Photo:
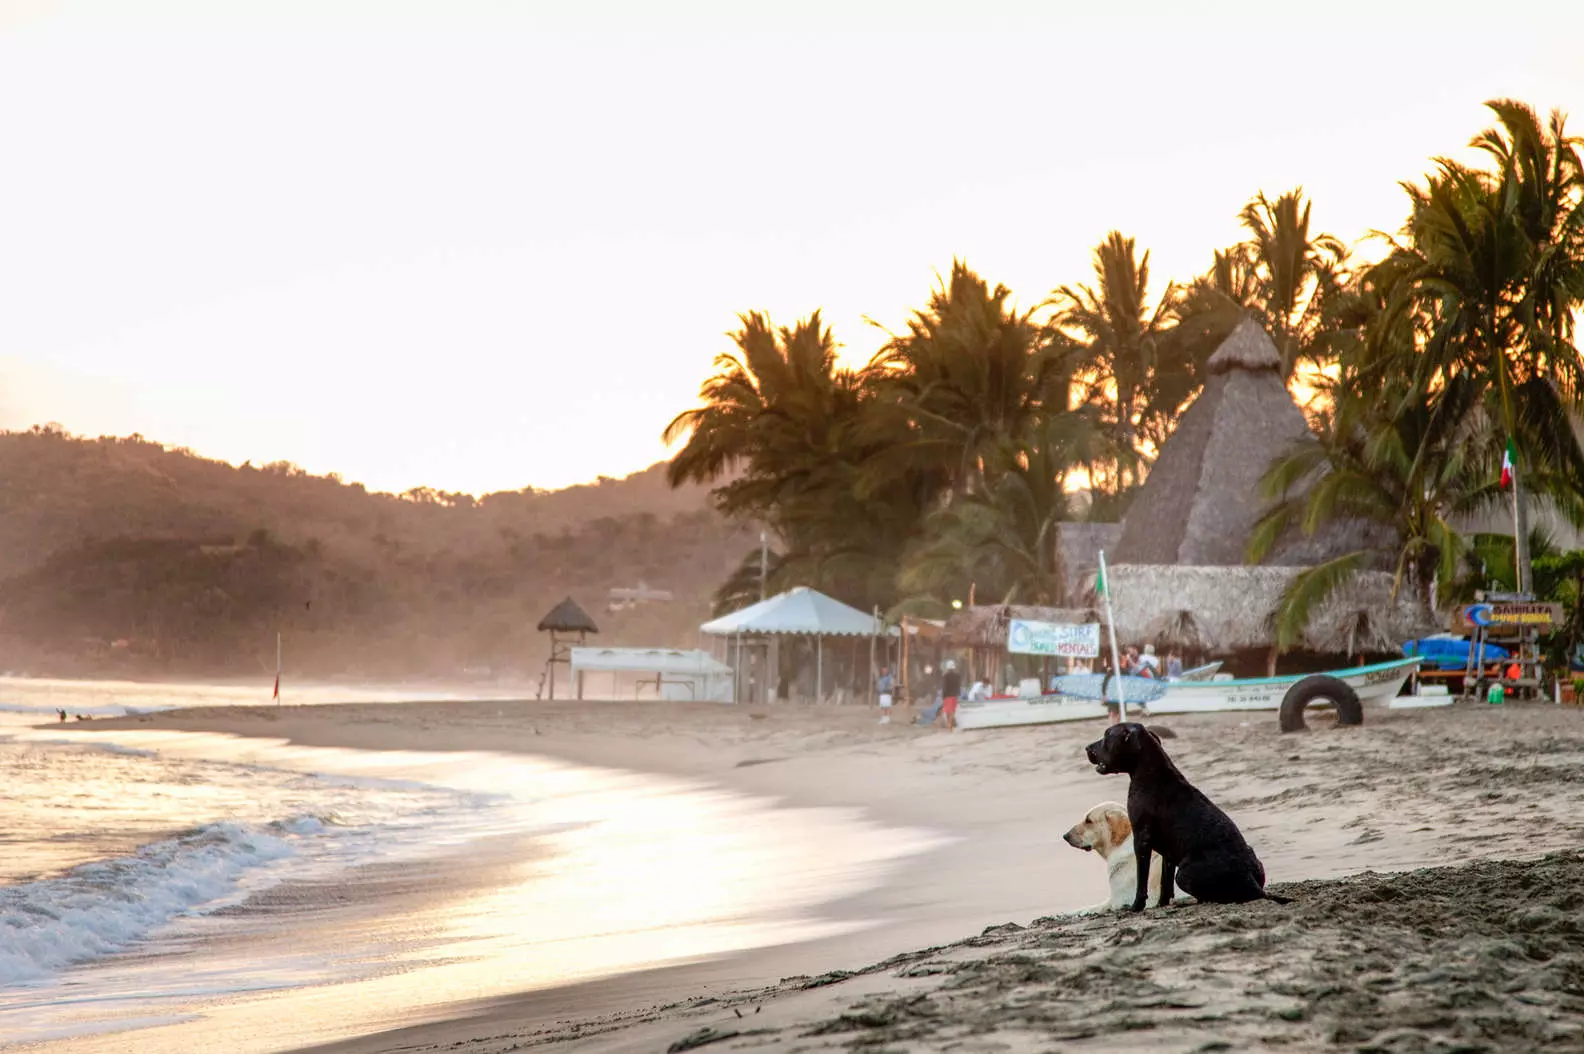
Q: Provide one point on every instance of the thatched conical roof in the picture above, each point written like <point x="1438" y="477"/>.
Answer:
<point x="567" y="617"/>
<point x="1079" y="545"/>
<point x="1202" y="498"/>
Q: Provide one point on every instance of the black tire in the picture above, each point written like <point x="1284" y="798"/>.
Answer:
<point x="1349" y="710"/>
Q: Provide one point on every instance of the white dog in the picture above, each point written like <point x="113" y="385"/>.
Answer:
<point x="1106" y="830"/>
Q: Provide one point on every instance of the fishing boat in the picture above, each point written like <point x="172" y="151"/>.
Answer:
<point x="1373" y="684"/>
<point x="1377" y="683"/>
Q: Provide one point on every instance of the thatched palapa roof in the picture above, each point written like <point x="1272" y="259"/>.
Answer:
<point x="567" y="617"/>
<point x="1079" y="545"/>
<point x="985" y="625"/>
<point x="1202" y="498"/>
<point x="1220" y="610"/>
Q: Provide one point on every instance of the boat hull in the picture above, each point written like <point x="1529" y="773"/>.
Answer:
<point x="1379" y="683"/>
<point x="1373" y="684"/>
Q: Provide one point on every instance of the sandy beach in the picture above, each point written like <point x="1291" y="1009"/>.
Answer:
<point x="1433" y="856"/>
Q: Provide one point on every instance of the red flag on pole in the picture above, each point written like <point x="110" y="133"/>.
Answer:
<point x="277" y="687"/>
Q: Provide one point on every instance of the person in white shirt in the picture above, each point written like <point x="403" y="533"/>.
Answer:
<point x="1150" y="659"/>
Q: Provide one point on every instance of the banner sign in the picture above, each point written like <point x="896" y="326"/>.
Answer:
<point x="1025" y="637"/>
<point x="1538" y="615"/>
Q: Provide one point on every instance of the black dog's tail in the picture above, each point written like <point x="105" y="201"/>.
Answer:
<point x="1278" y="899"/>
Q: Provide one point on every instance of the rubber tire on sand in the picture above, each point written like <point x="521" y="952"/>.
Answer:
<point x="1349" y="710"/>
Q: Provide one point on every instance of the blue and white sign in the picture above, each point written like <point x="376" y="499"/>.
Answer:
<point x="1026" y="637"/>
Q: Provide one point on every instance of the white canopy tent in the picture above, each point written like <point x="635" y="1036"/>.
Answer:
<point x="677" y="674"/>
<point x="799" y="611"/>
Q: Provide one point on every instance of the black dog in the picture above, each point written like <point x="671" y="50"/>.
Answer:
<point x="1201" y="848"/>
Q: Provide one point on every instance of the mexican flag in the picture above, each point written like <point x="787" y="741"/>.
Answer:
<point x="1509" y="456"/>
<point x="1100" y="576"/>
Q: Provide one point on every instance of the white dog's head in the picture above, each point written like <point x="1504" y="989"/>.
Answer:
<point x="1102" y="829"/>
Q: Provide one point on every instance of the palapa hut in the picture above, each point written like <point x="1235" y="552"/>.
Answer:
<point x="981" y="631"/>
<point x="1227" y="610"/>
<point x="1179" y="572"/>
<point x="564" y="622"/>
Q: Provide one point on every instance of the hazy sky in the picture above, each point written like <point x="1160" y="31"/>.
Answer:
<point x="485" y="245"/>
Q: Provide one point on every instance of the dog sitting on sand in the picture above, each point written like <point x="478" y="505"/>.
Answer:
<point x="1202" y="849"/>
<point x="1106" y="831"/>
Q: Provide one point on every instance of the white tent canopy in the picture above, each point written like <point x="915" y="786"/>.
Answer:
<point x="800" y="610"/>
<point x="677" y="674"/>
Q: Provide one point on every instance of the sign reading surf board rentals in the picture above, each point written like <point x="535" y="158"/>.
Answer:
<point x="1025" y="637"/>
<point x="1539" y="615"/>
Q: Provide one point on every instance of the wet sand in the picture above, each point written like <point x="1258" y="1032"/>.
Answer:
<point x="1430" y="958"/>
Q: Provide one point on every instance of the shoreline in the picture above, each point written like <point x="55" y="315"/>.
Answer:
<point x="1004" y="795"/>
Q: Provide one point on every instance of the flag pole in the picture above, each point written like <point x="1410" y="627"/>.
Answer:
<point x="1116" y="662"/>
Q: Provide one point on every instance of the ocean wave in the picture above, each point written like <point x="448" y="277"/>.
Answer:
<point x="105" y="907"/>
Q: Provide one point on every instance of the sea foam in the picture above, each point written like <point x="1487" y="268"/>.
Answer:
<point x="107" y="906"/>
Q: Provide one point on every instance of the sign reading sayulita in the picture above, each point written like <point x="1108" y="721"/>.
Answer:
<point x="1026" y="637"/>
<point x="1512" y="614"/>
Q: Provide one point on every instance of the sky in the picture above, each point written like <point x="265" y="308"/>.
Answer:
<point x="482" y="246"/>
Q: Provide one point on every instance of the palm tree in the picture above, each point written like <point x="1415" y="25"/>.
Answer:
<point x="794" y="432"/>
<point x="1488" y="273"/>
<point x="1281" y="273"/>
<point x="1124" y="360"/>
<point x="970" y="374"/>
<point x="1401" y="473"/>
<point x="754" y="393"/>
<point x="1003" y="537"/>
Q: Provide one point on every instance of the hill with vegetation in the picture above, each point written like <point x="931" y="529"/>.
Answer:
<point x="120" y="557"/>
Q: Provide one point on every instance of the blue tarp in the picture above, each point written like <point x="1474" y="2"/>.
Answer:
<point x="1445" y="653"/>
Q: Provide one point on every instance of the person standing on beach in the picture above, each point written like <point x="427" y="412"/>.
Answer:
<point x="951" y="687"/>
<point x="1149" y="663"/>
<point x="885" y="685"/>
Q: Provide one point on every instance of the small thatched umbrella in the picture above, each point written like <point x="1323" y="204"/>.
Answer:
<point x="565" y="619"/>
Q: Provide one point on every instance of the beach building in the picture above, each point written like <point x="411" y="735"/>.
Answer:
<point x="1179" y="570"/>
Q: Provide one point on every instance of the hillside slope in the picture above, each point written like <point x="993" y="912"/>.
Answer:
<point x="120" y="557"/>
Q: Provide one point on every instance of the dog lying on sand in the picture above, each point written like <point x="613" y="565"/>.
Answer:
<point x="1201" y="848"/>
<point x="1106" y="831"/>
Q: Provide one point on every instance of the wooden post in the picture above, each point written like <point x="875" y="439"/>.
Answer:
<point x="550" y="666"/>
<point x="907" y="691"/>
<point x="870" y="694"/>
<point x="819" y="666"/>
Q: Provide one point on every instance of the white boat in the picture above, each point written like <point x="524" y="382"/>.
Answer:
<point x="1374" y="684"/>
<point x="1378" y="683"/>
